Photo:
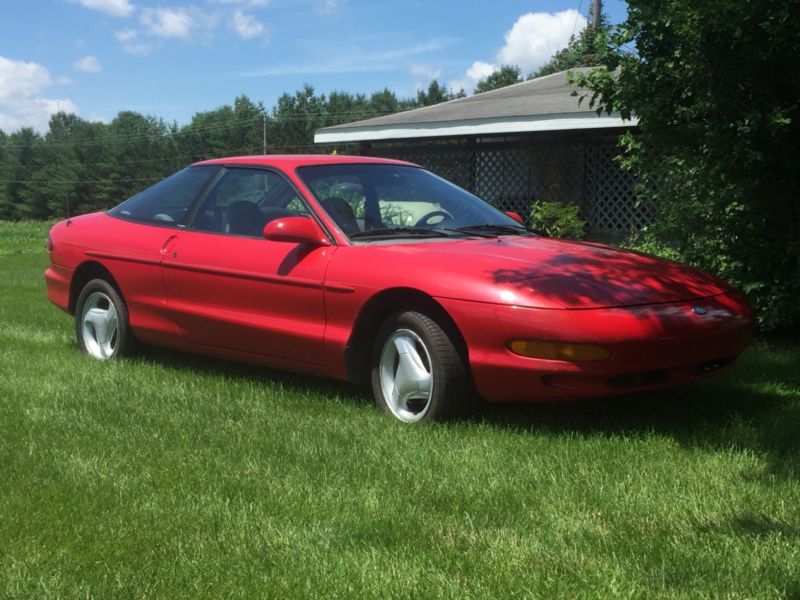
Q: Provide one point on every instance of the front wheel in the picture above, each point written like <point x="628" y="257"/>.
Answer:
<point x="101" y="321"/>
<point x="417" y="372"/>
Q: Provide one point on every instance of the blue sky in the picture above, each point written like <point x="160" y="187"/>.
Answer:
<point x="172" y="58"/>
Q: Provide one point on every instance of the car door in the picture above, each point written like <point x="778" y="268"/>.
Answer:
<point x="228" y="287"/>
<point x="131" y="245"/>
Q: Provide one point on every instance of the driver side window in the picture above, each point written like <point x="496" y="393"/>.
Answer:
<point x="244" y="200"/>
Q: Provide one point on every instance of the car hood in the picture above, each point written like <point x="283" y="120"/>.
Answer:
<point x="549" y="273"/>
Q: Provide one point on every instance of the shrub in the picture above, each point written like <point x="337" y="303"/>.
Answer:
<point x="713" y="86"/>
<point x="558" y="219"/>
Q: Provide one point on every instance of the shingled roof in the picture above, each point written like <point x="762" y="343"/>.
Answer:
<point x="541" y="104"/>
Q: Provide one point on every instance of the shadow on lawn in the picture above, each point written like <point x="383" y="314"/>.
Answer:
<point x="755" y="406"/>
<point x="292" y="381"/>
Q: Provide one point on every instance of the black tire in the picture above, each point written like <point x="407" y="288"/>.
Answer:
<point x="102" y="293"/>
<point x="451" y="392"/>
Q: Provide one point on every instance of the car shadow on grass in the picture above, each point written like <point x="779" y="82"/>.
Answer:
<point x="755" y="407"/>
<point x="298" y="382"/>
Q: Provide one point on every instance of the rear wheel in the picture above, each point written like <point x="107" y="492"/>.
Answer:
<point x="417" y="372"/>
<point x="101" y="321"/>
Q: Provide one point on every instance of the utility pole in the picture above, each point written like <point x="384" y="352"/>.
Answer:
<point x="596" y="10"/>
<point x="264" y="133"/>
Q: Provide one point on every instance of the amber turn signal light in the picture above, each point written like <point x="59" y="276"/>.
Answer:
<point x="559" y="350"/>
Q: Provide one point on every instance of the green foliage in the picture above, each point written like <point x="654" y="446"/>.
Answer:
<point x="506" y="75"/>
<point x="714" y="88"/>
<point x="558" y="219"/>
<point x="436" y="94"/>
<point x="644" y="241"/>
<point x="590" y="48"/>
<point x="23" y="237"/>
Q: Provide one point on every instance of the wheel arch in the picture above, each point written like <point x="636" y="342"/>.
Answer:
<point x="376" y="310"/>
<point x="85" y="272"/>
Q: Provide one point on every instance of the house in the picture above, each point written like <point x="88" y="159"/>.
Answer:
<point x="530" y="141"/>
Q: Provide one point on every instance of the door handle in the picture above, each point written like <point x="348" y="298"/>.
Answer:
<point x="168" y="245"/>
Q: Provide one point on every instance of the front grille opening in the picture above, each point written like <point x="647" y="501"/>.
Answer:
<point x="637" y="379"/>
<point x="714" y="365"/>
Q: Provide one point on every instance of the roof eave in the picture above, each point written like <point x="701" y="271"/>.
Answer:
<point x="494" y="126"/>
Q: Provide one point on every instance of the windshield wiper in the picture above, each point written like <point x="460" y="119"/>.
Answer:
<point x="494" y="228"/>
<point x="400" y="231"/>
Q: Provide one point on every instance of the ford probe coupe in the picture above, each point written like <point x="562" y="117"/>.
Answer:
<point x="380" y="272"/>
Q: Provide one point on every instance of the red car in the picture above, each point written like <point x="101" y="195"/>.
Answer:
<point x="379" y="271"/>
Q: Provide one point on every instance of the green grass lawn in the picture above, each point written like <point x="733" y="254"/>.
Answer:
<point x="176" y="476"/>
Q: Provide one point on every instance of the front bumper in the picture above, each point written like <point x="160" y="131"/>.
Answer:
<point x="652" y="346"/>
<point x="57" y="281"/>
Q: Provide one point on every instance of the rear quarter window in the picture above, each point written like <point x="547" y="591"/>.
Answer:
<point x="168" y="201"/>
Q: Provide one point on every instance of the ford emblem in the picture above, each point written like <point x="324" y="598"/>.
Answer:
<point x="699" y="310"/>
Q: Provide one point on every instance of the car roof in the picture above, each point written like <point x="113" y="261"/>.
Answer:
<point x="290" y="161"/>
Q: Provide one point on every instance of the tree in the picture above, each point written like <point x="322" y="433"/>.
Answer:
<point x="55" y="180"/>
<point x="714" y="88"/>
<point x="142" y="152"/>
<point x="504" y="76"/>
<point x="227" y="130"/>
<point x="7" y="166"/>
<point x="22" y="189"/>
<point x="436" y="94"/>
<point x="589" y="49"/>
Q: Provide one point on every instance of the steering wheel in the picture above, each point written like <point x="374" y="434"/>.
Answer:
<point x="425" y="220"/>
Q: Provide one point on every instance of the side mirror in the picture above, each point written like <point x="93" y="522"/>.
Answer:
<point x="297" y="230"/>
<point x="515" y="216"/>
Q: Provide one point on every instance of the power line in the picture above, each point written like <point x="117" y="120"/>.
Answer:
<point x="154" y="136"/>
<point x="188" y="130"/>
<point x="79" y="181"/>
<point x="577" y="16"/>
<point x="124" y="162"/>
<point x="163" y="159"/>
<point x="199" y="156"/>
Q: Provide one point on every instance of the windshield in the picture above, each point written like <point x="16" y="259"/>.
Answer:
<point x="377" y="200"/>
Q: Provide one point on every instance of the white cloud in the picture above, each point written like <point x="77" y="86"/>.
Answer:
<point x="21" y="79"/>
<point x="530" y="43"/>
<point x="115" y="8"/>
<point x="426" y="72"/>
<point x="182" y="23"/>
<point x="535" y="37"/>
<point x="20" y="103"/>
<point x="246" y="26"/>
<point x="474" y="73"/>
<point x="188" y="23"/>
<point x="126" y="35"/>
<point x="87" y="64"/>
<point x="353" y="59"/>
<point x="479" y="70"/>
<point x="168" y="22"/>
<point x="329" y="6"/>
<point x="131" y="42"/>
